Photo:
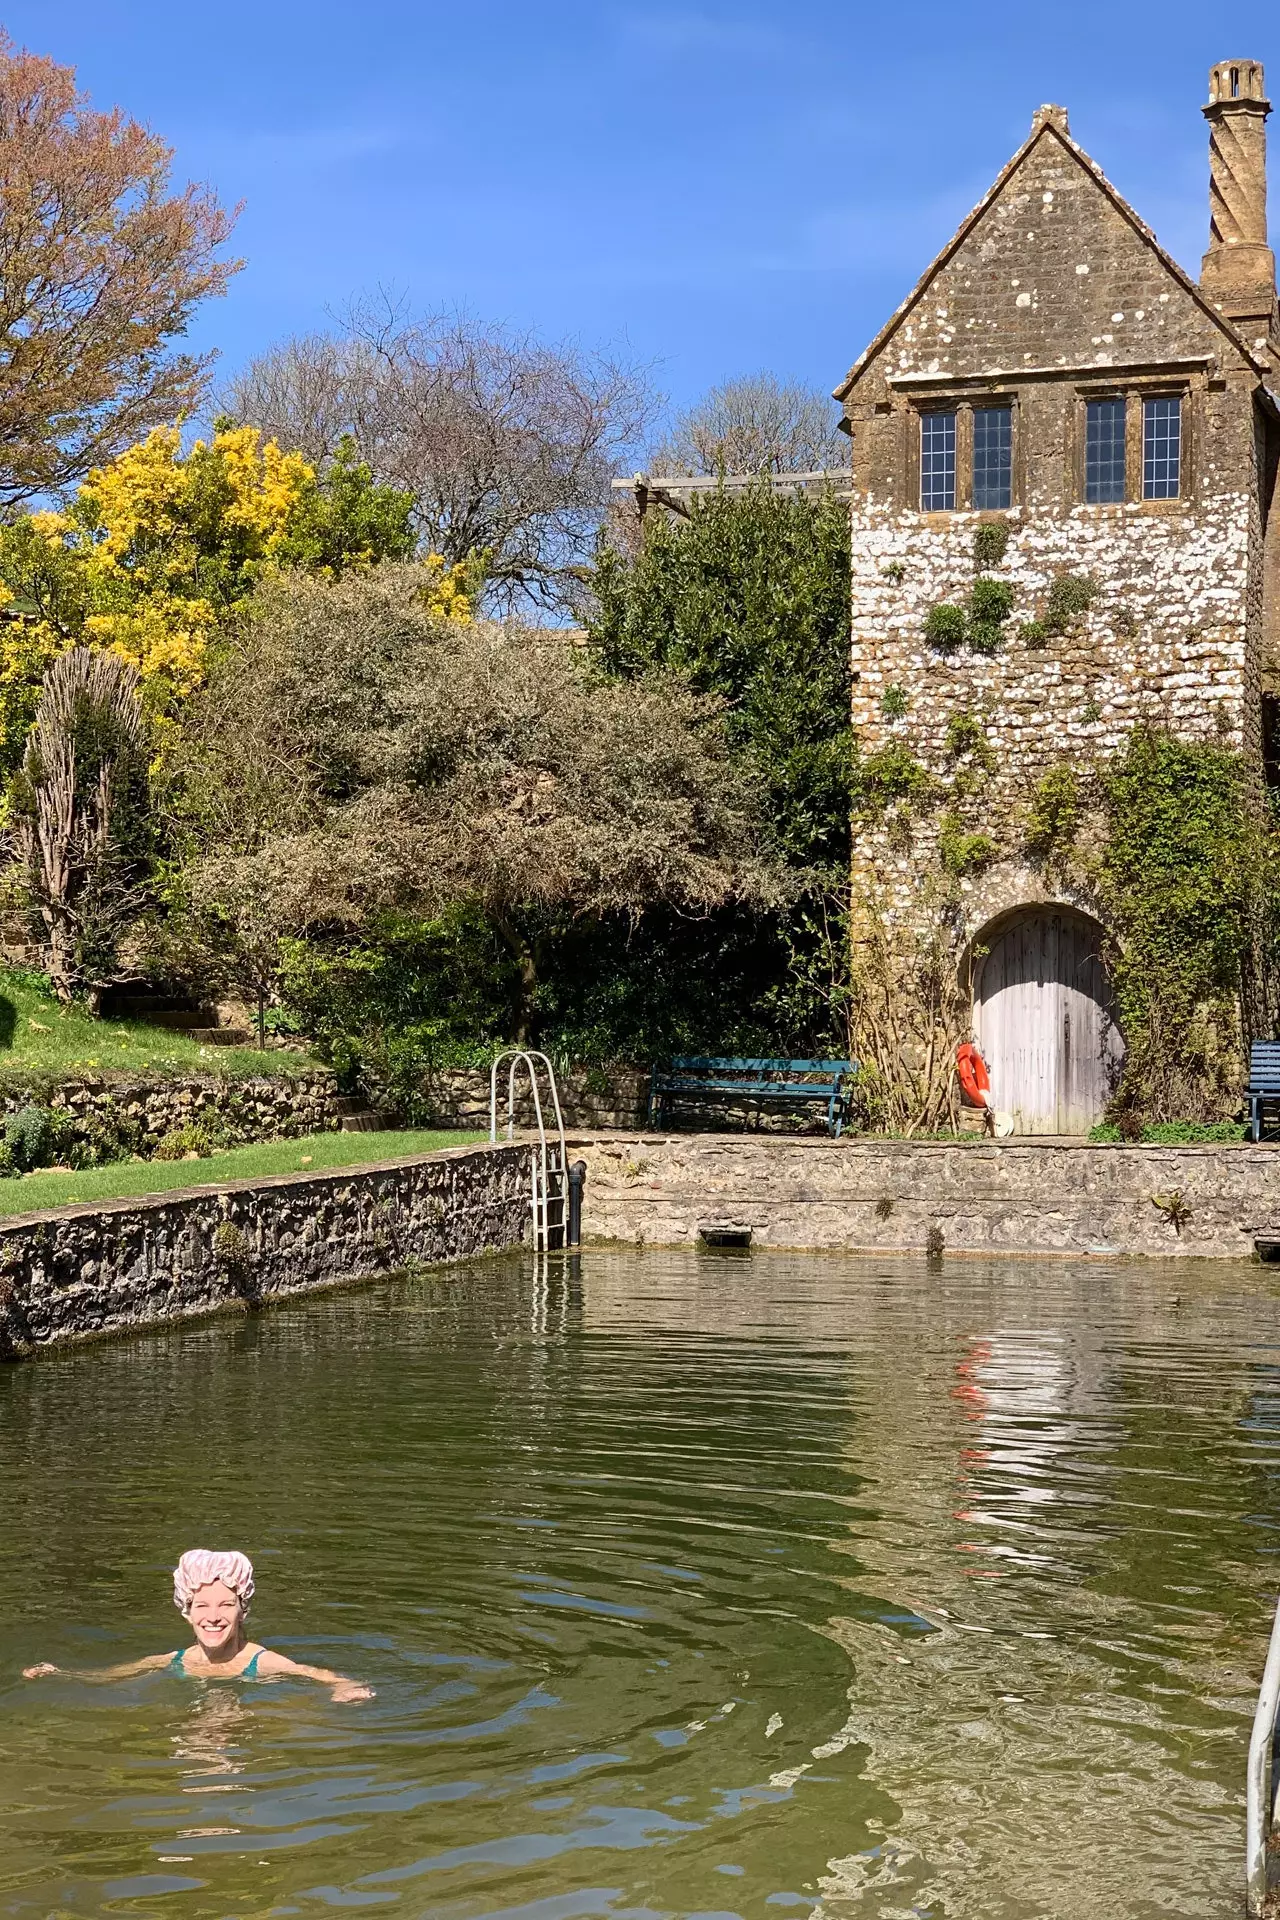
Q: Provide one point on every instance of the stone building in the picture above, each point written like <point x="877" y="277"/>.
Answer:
<point x="1105" y="428"/>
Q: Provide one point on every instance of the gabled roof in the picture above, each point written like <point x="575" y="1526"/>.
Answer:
<point x="1045" y="128"/>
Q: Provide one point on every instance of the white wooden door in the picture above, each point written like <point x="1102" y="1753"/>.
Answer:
<point x="1042" y="1013"/>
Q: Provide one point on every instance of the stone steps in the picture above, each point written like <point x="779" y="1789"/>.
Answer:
<point x="197" y="1020"/>
<point x="357" y="1117"/>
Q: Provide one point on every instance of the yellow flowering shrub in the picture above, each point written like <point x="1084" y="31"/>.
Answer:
<point x="159" y="546"/>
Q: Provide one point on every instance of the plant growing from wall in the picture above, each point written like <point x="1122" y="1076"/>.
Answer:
<point x="1070" y="597"/>
<point x="962" y="852"/>
<point x="890" y="774"/>
<point x="990" y="543"/>
<point x="893" y="702"/>
<point x="946" y="627"/>
<point x="977" y="625"/>
<point x="990" y="604"/>
<point x="966" y="738"/>
<point x="1033" y="635"/>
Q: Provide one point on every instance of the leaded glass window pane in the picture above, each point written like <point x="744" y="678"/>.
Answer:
<point x="1104" y="450"/>
<point x="1161" y="449"/>
<point x="937" y="462"/>
<point x="992" y="457"/>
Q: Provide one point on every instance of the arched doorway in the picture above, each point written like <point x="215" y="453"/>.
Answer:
<point x="1044" y="1020"/>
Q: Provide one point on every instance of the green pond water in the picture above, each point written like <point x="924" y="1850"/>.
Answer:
<point x="690" y="1585"/>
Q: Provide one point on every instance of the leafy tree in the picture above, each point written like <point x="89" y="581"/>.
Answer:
<point x="100" y="269"/>
<point x="749" y="597"/>
<point x="754" y="425"/>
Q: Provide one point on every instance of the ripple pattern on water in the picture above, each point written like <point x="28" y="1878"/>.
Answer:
<point x="690" y="1585"/>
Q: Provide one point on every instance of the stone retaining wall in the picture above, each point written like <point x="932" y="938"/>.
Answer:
<point x="75" y="1271"/>
<point x="604" y="1097"/>
<point x="589" y="1097"/>
<point x="1016" y="1196"/>
<point x="244" y="1111"/>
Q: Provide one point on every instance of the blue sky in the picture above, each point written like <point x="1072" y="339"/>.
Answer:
<point x="713" y="188"/>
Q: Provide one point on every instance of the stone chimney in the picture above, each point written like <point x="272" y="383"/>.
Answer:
<point x="1239" y="271"/>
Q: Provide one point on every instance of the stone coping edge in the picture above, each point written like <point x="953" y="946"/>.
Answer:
<point x="883" y="1142"/>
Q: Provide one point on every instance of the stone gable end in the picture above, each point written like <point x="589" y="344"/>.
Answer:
<point x="1051" y="270"/>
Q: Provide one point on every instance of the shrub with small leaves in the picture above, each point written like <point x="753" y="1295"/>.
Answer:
<point x="181" y="1142"/>
<point x="1033" y="634"/>
<point x="1091" y="713"/>
<point x="990" y="601"/>
<point x="985" y="636"/>
<point x="37" y="1137"/>
<point x="894" y="572"/>
<point x="893" y="702"/>
<point x="108" y="1135"/>
<point x="962" y="852"/>
<point x="990" y="542"/>
<point x="945" y="627"/>
<point x="1125" y="622"/>
<point x="1070" y="596"/>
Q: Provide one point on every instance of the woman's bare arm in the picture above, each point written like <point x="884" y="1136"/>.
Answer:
<point x="343" y="1688"/>
<point x="125" y="1672"/>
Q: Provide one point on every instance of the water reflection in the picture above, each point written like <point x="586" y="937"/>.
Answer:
<point x="690" y="1585"/>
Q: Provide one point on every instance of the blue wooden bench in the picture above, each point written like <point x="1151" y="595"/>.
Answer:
<point x="1264" y="1082"/>
<point x="709" y="1078"/>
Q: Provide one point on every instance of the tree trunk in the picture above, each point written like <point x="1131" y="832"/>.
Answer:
<point x="524" y="952"/>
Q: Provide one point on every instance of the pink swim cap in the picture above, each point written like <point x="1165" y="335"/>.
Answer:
<point x="200" y="1569"/>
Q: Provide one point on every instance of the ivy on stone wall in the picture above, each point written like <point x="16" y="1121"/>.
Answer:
<point x="1054" y="815"/>
<point x="1183" y="886"/>
<point x="961" y="851"/>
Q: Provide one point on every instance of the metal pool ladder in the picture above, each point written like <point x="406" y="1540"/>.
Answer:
<point x="549" y="1182"/>
<point x="1260" y="1812"/>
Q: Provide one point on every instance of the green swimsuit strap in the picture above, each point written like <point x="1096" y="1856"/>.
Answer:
<point x="251" y="1671"/>
<point x="175" y="1665"/>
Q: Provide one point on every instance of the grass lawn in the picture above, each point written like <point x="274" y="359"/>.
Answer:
<point x="37" y="1036"/>
<point x="34" y="1191"/>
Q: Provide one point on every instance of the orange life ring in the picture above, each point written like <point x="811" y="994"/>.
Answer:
<point x="972" y="1069"/>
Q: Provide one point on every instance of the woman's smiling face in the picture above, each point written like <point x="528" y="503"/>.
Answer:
<point x="216" y="1617"/>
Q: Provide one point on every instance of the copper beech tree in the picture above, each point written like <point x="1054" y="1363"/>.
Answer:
<point x="100" y="268"/>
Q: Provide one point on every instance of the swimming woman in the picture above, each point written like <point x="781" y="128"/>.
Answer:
<point x="212" y="1591"/>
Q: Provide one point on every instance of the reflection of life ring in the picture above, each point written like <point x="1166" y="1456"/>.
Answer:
<point x="972" y="1069"/>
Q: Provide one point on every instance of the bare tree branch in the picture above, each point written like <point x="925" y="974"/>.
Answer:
<point x="755" y="425"/>
<point x="506" y="443"/>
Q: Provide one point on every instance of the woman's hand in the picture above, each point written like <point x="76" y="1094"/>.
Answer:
<point x="36" y="1672"/>
<point x="352" y="1690"/>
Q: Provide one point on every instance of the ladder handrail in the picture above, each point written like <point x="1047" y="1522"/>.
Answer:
<point x="531" y="1059"/>
<point x="1258" y="1792"/>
